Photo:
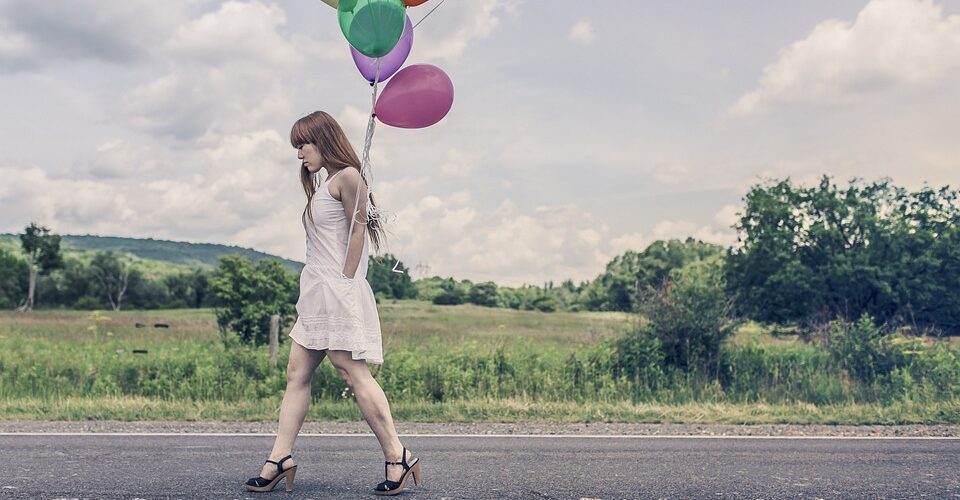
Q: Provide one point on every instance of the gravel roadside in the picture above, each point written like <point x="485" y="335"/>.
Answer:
<point x="614" y="429"/>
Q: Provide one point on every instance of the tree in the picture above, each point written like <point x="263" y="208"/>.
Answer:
<point x="42" y="249"/>
<point x="186" y="289"/>
<point x="388" y="276"/>
<point x="809" y="255"/>
<point x="77" y="287"/>
<point x="691" y="315"/>
<point x="112" y="276"/>
<point x="483" y="294"/>
<point x="451" y="293"/>
<point x="544" y="303"/>
<point x="632" y="274"/>
<point x="14" y="274"/>
<point x="247" y="295"/>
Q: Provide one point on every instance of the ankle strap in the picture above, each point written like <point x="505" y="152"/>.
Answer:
<point x="282" y="460"/>
<point x="403" y="460"/>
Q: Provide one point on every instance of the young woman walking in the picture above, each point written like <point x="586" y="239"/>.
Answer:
<point x="337" y="312"/>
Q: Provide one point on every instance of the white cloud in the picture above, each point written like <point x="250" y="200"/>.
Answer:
<point x="582" y="32"/>
<point x="15" y="48"/>
<point x="226" y="76"/>
<point x="628" y="241"/>
<point x="446" y="35"/>
<point x="36" y="34"/>
<point x="64" y="205"/>
<point x="354" y="121"/>
<point x="189" y="103"/>
<point x="511" y="246"/>
<point x="459" y="164"/>
<point x="681" y="229"/>
<point x="242" y="32"/>
<point x="671" y="174"/>
<point x="118" y="159"/>
<point x="891" y="42"/>
<point x="245" y="181"/>
<point x="727" y="216"/>
<point x="170" y="120"/>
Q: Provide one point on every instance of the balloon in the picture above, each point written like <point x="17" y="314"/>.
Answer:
<point x="408" y="3"/>
<point x="332" y="3"/>
<point x="416" y="97"/>
<point x="373" y="27"/>
<point x="390" y="63"/>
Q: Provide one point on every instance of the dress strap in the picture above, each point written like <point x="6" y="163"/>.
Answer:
<point x="330" y="178"/>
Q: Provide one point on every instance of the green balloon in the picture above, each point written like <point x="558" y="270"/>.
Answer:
<point x="373" y="27"/>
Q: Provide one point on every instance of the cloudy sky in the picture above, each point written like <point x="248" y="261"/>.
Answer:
<point x="579" y="130"/>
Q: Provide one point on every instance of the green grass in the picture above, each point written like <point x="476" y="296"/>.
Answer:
<point x="416" y="323"/>
<point x="344" y="410"/>
<point x="442" y="363"/>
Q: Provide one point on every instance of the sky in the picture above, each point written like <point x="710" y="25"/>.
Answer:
<point x="579" y="129"/>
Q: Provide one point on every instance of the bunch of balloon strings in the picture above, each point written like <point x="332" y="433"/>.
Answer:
<point x="381" y="37"/>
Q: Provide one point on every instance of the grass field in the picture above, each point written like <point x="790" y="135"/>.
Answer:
<point x="442" y="363"/>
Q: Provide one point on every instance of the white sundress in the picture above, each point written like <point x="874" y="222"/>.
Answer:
<point x="335" y="312"/>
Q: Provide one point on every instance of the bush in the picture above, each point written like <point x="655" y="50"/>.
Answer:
<point x="544" y="303"/>
<point x="89" y="303"/>
<point x="450" y="298"/>
<point x="247" y="295"/>
<point x="450" y="294"/>
<point x="691" y="316"/>
<point x="892" y="365"/>
<point x="860" y="348"/>
<point x="639" y="356"/>
<point x="483" y="294"/>
<point x="13" y="279"/>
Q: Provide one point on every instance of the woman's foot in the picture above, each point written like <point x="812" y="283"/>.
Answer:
<point x="394" y="472"/>
<point x="398" y="476"/>
<point x="273" y="472"/>
<point x="270" y="471"/>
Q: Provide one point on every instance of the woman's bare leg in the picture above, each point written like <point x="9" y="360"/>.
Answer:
<point x="373" y="405"/>
<point x="296" y="398"/>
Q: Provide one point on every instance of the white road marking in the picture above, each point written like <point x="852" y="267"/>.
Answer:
<point x="587" y="436"/>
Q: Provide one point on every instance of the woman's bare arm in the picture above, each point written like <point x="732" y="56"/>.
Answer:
<point x="349" y="180"/>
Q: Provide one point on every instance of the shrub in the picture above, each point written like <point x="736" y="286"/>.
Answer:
<point x="861" y="348"/>
<point x="248" y="294"/>
<point x="691" y="316"/>
<point x="639" y="356"/>
<point x="483" y="294"/>
<point x="544" y="303"/>
<point x="451" y="294"/>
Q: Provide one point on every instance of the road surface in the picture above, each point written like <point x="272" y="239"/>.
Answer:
<point x="474" y="466"/>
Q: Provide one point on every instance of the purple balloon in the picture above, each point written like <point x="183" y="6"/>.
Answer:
<point x="418" y="96"/>
<point x="390" y="63"/>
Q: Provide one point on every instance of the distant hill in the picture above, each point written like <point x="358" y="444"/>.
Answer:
<point x="176" y="252"/>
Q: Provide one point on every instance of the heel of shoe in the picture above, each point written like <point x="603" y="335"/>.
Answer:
<point x="289" y="478"/>
<point x="417" y="476"/>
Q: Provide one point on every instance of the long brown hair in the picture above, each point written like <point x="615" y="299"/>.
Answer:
<point x="321" y="130"/>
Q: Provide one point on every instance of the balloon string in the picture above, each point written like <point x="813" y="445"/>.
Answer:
<point x="365" y="167"/>
<point x="428" y="14"/>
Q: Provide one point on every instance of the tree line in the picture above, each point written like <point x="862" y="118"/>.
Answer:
<point x="804" y="256"/>
<point x="41" y="275"/>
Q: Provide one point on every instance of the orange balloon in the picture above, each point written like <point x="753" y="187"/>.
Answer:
<point x="413" y="3"/>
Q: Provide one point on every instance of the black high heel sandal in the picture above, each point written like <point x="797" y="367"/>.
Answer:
<point x="261" y="485"/>
<point x="388" y="487"/>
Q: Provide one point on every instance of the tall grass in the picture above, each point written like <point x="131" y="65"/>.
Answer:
<point x="48" y="358"/>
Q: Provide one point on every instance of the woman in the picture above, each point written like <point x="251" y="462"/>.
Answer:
<point x="337" y="313"/>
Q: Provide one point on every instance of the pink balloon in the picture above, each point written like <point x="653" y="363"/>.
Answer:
<point x="417" y="96"/>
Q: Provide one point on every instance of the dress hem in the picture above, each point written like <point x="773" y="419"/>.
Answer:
<point x="322" y="344"/>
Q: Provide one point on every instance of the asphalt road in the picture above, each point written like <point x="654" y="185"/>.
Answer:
<point x="207" y="466"/>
